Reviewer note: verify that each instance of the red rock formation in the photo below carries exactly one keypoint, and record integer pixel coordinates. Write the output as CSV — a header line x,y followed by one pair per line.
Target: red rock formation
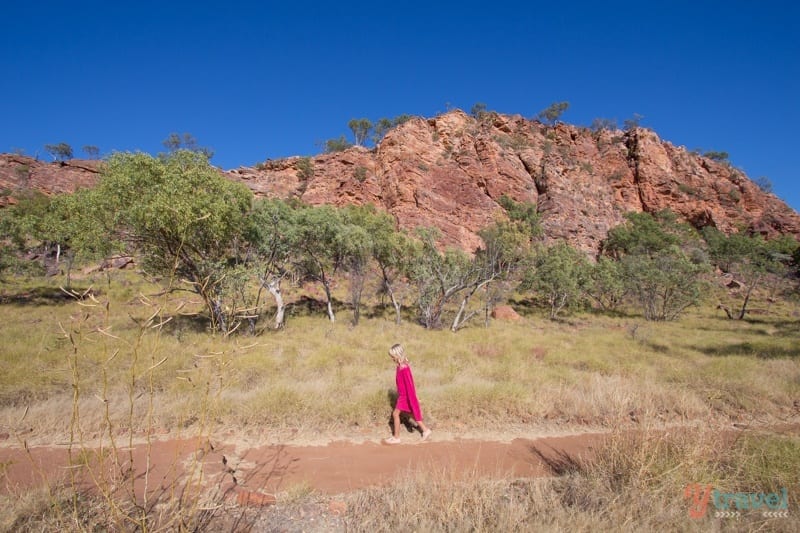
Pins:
x,y
505,312
450,171
19,173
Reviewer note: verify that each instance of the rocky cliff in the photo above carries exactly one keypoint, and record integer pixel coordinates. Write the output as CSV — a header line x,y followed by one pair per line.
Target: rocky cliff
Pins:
x,y
20,173
450,171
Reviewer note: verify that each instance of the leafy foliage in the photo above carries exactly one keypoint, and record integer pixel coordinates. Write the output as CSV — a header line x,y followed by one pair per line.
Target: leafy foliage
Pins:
x,y
717,156
340,144
553,112
479,111
665,283
763,183
186,141
317,238
657,263
270,234
91,151
360,128
305,168
643,233
559,273
603,124
438,277
19,224
525,213
633,122
177,212
750,258
606,285
59,152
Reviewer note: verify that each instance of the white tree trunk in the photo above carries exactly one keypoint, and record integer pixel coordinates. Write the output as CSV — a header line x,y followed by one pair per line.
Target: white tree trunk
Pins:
x,y
460,318
274,288
329,303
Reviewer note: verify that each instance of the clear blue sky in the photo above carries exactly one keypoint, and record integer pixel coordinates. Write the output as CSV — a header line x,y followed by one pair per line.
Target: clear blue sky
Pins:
x,y
258,80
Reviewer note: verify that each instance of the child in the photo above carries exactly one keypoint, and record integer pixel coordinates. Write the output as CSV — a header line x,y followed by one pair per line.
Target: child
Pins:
x,y
406,396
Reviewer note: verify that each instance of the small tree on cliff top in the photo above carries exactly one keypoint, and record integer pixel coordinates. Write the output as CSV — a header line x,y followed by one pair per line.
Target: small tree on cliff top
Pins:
x,y
360,128
552,112
59,152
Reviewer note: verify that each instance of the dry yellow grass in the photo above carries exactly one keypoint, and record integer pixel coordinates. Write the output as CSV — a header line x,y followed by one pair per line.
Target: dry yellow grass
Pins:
x,y
128,362
636,481
588,370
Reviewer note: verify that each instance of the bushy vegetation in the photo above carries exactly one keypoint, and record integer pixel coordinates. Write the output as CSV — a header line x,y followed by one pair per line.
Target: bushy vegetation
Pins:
x,y
192,229
364,130
59,152
553,112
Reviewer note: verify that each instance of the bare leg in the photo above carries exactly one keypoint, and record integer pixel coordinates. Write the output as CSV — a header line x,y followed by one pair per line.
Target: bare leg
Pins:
x,y
424,429
396,418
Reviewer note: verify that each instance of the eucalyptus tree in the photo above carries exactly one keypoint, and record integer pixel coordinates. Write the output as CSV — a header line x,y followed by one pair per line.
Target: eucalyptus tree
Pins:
x,y
478,111
318,245
91,151
56,226
439,276
361,128
665,283
442,277
395,252
185,141
558,274
356,242
339,144
178,213
506,243
23,227
380,128
523,214
750,258
59,152
606,284
270,231
553,112
657,262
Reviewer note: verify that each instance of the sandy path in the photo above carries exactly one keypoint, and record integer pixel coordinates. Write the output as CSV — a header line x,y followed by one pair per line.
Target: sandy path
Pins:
x,y
334,468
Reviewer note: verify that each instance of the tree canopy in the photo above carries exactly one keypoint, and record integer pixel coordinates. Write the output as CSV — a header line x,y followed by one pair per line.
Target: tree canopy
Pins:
x,y
553,112
59,152
176,211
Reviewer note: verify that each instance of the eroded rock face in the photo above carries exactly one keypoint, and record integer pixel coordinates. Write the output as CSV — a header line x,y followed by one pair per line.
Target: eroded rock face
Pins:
x,y
19,173
450,171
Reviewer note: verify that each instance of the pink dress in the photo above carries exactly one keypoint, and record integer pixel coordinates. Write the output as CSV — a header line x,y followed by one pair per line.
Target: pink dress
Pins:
x,y
406,393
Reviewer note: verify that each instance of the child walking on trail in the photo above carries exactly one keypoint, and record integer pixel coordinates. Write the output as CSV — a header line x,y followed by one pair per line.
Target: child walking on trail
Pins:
x,y
407,401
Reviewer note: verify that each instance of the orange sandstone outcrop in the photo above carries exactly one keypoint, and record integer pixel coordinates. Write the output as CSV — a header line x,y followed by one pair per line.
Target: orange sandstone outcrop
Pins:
x,y
450,171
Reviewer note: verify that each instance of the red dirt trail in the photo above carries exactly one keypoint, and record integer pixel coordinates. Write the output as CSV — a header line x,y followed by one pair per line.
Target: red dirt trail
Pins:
x,y
335,468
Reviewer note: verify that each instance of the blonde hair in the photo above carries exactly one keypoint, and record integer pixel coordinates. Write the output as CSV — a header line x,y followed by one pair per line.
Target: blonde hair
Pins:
x,y
397,353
